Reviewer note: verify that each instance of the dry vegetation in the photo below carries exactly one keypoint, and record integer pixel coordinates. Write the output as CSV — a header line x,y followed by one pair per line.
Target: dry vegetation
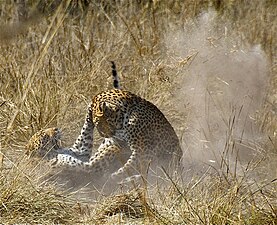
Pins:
x,y
54,58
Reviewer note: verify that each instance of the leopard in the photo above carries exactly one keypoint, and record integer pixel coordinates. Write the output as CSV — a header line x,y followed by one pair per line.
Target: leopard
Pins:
x,y
123,116
133,126
46,143
136,136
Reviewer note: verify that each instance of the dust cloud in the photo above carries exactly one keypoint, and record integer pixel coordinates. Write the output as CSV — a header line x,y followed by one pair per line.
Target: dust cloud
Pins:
x,y
224,86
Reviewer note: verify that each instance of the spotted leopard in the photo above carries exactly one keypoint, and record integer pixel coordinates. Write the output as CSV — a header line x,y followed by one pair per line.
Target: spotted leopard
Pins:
x,y
123,116
46,143
131,124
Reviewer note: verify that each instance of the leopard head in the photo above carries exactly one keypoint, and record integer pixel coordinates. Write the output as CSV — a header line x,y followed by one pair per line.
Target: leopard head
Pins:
x,y
105,117
43,142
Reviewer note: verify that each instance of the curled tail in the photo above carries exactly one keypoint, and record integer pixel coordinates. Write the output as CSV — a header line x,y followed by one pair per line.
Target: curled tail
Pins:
x,y
116,84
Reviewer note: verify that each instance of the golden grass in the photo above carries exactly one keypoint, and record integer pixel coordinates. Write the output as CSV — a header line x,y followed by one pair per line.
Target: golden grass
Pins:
x,y
52,64
24,200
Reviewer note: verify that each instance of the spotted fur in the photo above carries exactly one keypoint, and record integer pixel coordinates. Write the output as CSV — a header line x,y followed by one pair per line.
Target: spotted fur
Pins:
x,y
122,115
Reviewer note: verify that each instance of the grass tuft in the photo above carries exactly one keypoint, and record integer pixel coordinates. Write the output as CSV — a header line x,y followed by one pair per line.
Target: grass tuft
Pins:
x,y
24,200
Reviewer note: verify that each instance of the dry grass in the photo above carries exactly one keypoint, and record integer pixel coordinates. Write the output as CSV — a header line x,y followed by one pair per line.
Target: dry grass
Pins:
x,y
25,200
54,59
